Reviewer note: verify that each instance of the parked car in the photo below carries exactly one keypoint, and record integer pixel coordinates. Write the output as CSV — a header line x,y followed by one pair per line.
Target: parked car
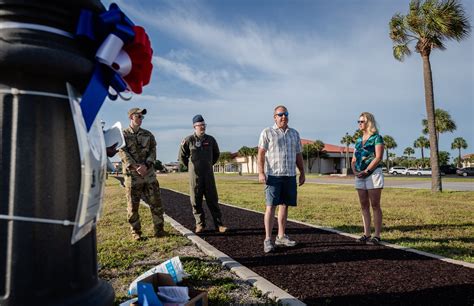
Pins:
x,y
397,170
411,171
465,171
415,171
448,169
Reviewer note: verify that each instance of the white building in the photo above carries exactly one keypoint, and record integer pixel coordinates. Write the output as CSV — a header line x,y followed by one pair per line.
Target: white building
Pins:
x,y
468,160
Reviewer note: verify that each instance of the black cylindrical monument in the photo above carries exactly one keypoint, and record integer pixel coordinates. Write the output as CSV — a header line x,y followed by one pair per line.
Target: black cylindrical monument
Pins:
x,y
39,157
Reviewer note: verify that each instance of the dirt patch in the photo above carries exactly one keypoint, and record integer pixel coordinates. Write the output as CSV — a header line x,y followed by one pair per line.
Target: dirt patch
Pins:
x,y
327,268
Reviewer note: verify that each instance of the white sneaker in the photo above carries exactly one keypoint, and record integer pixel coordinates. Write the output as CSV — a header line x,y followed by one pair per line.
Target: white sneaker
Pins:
x,y
284,241
268,246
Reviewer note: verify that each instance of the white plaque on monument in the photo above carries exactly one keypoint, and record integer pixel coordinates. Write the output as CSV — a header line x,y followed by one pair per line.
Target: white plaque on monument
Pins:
x,y
93,168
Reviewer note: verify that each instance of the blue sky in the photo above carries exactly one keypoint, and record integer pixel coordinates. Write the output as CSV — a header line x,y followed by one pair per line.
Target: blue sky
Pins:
x,y
327,61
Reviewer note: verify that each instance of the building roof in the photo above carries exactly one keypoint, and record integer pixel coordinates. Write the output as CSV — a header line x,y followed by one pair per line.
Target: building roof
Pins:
x,y
329,148
467,156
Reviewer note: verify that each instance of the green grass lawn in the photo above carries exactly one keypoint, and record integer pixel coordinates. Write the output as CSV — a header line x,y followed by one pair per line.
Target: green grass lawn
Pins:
x,y
428,178
122,259
387,177
442,223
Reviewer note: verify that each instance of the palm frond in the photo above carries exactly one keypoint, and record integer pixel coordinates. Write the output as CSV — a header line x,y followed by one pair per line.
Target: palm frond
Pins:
x,y
430,23
414,18
401,51
456,22
447,19
436,43
397,28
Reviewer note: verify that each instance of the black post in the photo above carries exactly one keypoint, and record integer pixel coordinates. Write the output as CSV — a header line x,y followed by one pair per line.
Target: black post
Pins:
x,y
39,158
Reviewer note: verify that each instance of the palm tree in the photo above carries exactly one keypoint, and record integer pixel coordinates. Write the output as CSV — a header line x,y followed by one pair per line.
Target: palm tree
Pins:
x,y
357,134
429,25
443,123
224,158
320,152
459,143
443,158
423,143
347,140
309,151
409,151
253,152
245,152
389,144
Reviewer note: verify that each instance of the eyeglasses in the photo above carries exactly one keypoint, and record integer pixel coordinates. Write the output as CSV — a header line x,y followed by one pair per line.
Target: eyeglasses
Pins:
x,y
203,125
281,114
140,116
361,121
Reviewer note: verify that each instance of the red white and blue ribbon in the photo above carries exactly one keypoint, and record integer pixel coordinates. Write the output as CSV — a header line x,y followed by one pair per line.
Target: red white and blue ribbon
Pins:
x,y
123,57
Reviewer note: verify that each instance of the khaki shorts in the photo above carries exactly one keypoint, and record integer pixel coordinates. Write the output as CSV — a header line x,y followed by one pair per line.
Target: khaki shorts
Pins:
x,y
373,181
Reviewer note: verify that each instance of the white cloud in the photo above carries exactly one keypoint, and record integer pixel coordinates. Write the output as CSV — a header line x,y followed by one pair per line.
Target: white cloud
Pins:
x,y
244,69
211,81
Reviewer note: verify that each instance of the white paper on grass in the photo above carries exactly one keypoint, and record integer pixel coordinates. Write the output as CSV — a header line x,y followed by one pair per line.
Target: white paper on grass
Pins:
x,y
129,302
173,294
172,266
114,135
93,168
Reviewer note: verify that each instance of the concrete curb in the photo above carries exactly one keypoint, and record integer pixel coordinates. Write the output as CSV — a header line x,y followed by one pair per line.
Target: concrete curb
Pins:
x,y
332,230
243,272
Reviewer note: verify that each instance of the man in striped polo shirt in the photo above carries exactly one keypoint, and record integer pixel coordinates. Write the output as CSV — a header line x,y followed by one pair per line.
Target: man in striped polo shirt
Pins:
x,y
279,153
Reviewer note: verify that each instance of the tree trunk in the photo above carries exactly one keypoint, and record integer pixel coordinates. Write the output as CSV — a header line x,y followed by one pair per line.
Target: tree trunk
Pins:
x,y
459,158
347,156
308,170
430,112
388,165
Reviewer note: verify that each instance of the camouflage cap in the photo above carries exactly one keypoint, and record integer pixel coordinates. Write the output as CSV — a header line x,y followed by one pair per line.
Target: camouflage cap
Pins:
x,y
137,110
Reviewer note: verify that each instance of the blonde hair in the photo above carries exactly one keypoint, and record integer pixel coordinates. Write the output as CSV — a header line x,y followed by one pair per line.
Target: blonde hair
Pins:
x,y
371,123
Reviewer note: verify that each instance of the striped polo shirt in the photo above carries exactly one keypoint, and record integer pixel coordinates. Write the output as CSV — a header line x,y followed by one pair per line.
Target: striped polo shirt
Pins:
x,y
281,147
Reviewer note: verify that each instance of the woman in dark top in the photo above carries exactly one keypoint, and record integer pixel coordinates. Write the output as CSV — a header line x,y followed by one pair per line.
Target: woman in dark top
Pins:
x,y
369,179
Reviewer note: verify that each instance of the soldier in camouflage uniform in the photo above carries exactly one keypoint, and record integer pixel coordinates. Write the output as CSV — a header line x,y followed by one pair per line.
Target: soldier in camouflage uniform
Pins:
x,y
199,152
138,165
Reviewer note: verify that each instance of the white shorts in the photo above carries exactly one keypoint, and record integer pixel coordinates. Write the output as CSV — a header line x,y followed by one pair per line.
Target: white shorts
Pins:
x,y
373,181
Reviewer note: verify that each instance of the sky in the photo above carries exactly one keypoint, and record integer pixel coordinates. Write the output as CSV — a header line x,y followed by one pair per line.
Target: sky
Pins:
x,y
327,61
